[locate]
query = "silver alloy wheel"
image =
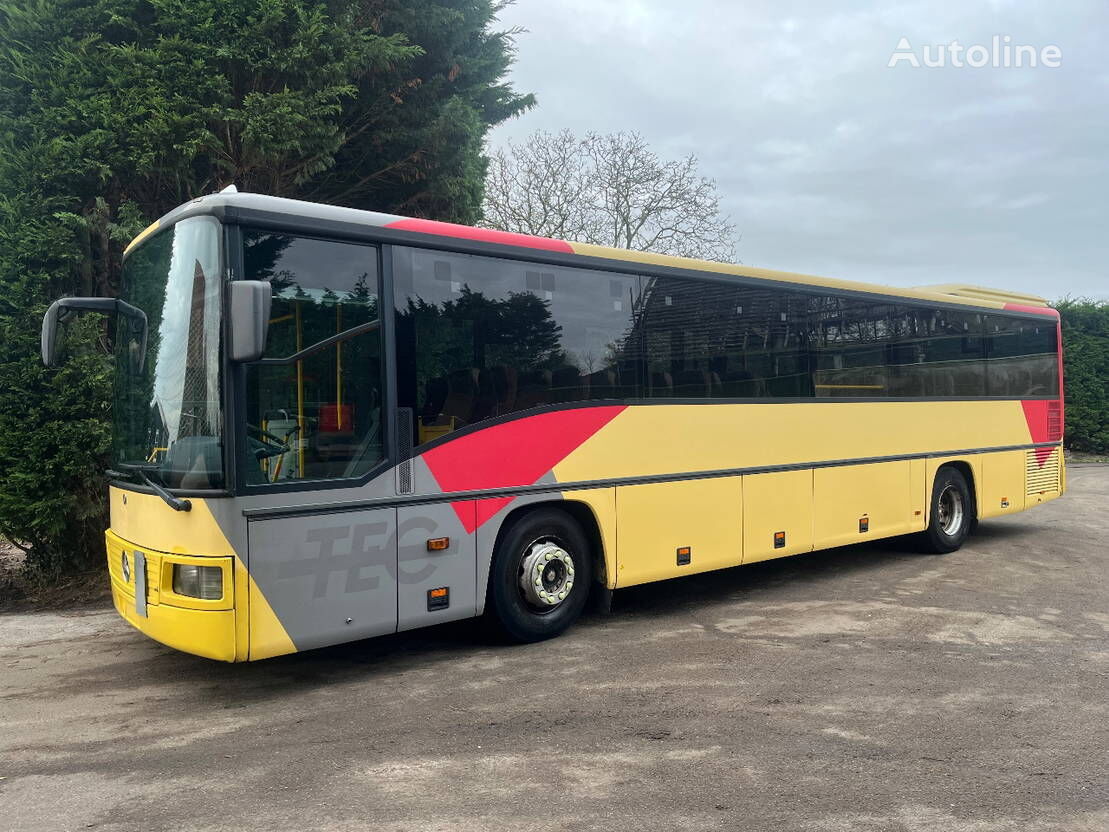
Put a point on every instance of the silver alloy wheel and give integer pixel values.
(546, 574)
(949, 510)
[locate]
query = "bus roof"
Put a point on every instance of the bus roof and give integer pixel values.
(320, 218)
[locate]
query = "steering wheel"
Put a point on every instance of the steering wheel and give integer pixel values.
(267, 444)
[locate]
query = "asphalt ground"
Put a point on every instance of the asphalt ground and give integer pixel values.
(863, 688)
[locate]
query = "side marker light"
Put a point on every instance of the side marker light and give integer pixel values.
(438, 598)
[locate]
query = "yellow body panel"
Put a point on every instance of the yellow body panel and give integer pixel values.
(817, 507)
(602, 502)
(776, 503)
(920, 492)
(145, 520)
(655, 519)
(165, 536)
(1001, 490)
(880, 493)
(267, 637)
(646, 441)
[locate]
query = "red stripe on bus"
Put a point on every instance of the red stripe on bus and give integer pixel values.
(1035, 310)
(485, 235)
(512, 454)
(1041, 426)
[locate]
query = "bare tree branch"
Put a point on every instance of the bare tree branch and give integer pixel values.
(610, 190)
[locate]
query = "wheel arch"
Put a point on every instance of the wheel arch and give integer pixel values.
(580, 511)
(964, 467)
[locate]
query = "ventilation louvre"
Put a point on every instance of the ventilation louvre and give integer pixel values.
(1054, 421)
(1041, 478)
(404, 450)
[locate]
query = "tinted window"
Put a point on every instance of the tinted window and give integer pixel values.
(848, 340)
(709, 339)
(1021, 357)
(318, 417)
(481, 337)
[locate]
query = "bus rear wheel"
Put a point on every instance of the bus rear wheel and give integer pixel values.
(540, 577)
(951, 515)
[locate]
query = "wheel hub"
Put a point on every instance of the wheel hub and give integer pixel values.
(546, 574)
(950, 510)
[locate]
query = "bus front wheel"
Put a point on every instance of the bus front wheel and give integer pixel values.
(540, 577)
(951, 514)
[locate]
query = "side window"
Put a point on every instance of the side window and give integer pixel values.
(847, 351)
(314, 401)
(482, 337)
(1021, 357)
(954, 353)
(710, 339)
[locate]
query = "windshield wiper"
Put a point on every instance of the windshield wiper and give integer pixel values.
(176, 503)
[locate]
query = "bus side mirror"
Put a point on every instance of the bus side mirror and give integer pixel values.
(249, 318)
(49, 336)
(62, 310)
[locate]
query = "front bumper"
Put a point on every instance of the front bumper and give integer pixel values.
(204, 628)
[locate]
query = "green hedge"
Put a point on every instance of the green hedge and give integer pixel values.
(112, 112)
(1086, 374)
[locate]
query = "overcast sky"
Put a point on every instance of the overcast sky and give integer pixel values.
(829, 161)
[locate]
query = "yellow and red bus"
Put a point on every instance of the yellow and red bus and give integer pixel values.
(331, 424)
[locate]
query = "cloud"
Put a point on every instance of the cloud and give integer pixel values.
(829, 161)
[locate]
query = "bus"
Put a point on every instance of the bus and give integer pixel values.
(331, 424)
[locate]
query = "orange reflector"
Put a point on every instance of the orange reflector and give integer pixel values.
(438, 544)
(438, 598)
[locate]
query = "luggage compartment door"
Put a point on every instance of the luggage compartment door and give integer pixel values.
(328, 579)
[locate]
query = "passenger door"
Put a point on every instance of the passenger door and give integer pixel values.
(312, 417)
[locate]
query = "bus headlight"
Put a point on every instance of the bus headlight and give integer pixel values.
(204, 582)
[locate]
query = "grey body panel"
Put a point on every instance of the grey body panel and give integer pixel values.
(420, 570)
(284, 554)
(329, 578)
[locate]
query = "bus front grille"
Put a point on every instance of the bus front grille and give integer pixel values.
(1041, 476)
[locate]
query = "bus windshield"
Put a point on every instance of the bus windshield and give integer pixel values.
(166, 414)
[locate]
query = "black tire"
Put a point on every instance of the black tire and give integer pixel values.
(509, 608)
(951, 513)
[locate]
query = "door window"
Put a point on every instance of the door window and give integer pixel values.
(314, 401)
